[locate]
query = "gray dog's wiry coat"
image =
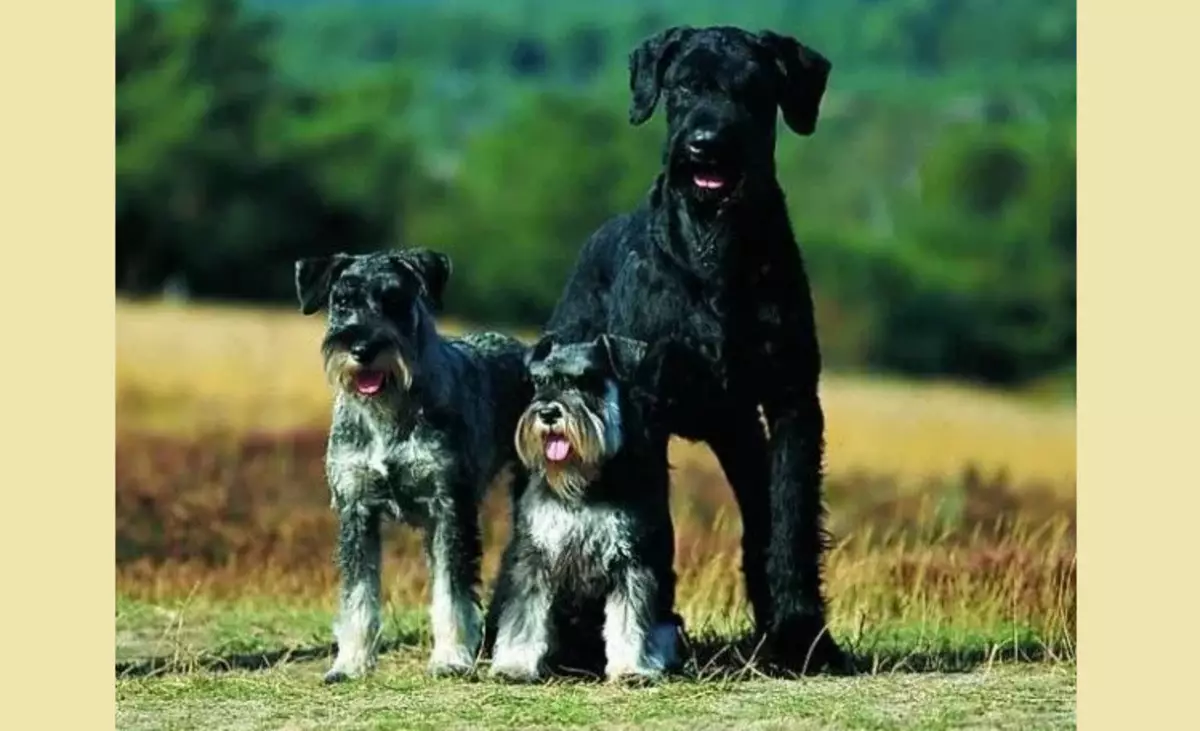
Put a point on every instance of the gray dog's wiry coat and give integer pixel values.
(593, 522)
(422, 426)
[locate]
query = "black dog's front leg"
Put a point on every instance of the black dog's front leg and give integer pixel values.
(796, 634)
(740, 447)
(453, 552)
(357, 626)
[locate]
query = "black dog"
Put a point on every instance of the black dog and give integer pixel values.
(421, 427)
(709, 260)
(593, 523)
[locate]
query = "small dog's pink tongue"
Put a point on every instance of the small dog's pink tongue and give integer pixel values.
(557, 448)
(708, 181)
(369, 382)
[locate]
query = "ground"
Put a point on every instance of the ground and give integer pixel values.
(952, 578)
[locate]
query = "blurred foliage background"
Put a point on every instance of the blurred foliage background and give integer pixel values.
(935, 205)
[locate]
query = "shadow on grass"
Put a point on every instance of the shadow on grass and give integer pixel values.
(705, 659)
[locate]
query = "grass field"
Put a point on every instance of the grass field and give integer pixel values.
(952, 579)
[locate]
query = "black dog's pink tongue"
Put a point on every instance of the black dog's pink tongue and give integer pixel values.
(368, 382)
(709, 181)
(557, 448)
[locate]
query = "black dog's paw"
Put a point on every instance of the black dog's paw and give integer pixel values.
(805, 648)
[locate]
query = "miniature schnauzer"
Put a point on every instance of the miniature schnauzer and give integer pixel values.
(592, 527)
(422, 426)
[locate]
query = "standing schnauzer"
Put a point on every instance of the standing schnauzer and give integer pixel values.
(421, 427)
(709, 259)
(593, 525)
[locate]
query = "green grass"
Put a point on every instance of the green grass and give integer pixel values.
(254, 664)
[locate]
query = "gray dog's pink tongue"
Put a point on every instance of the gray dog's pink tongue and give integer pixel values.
(369, 382)
(557, 448)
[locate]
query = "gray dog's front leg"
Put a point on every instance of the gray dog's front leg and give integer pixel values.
(357, 626)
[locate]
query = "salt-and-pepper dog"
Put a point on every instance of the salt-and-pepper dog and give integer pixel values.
(422, 426)
(593, 524)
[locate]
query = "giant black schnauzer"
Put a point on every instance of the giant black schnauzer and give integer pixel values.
(709, 259)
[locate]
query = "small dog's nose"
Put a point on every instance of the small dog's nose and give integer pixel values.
(550, 414)
(702, 141)
(364, 352)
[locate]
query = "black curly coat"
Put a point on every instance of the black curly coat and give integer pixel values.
(709, 260)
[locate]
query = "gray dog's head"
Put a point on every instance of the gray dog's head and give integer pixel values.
(722, 88)
(380, 320)
(574, 422)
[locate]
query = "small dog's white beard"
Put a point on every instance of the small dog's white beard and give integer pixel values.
(457, 629)
(357, 631)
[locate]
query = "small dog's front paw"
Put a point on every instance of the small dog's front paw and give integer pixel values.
(633, 675)
(516, 670)
(348, 669)
(451, 661)
(339, 675)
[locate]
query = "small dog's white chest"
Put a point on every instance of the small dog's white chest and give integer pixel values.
(600, 536)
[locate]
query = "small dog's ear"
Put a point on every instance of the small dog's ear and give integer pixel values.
(539, 349)
(624, 354)
(646, 65)
(805, 74)
(433, 268)
(314, 277)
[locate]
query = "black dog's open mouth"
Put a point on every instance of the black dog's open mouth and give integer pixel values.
(370, 382)
(710, 180)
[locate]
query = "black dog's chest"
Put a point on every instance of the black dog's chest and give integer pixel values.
(717, 329)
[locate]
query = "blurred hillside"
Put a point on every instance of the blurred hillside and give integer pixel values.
(935, 204)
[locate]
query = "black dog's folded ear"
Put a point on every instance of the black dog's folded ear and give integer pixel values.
(539, 349)
(805, 74)
(646, 65)
(624, 354)
(433, 268)
(314, 277)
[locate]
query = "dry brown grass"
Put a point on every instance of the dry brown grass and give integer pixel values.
(194, 369)
(952, 508)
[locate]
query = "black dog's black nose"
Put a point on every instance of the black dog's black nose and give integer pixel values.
(702, 141)
(550, 414)
(364, 352)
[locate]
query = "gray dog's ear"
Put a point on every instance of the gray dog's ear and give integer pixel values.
(647, 62)
(805, 74)
(314, 277)
(624, 354)
(433, 268)
(539, 349)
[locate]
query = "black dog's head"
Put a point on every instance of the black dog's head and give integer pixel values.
(380, 309)
(722, 88)
(574, 422)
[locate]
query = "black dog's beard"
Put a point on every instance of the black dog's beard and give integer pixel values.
(569, 454)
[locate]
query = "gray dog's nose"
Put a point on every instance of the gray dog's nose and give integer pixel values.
(549, 414)
(364, 352)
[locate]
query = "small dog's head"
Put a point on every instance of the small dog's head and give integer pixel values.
(722, 88)
(380, 309)
(574, 422)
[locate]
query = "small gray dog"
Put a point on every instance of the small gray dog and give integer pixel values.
(593, 525)
(422, 426)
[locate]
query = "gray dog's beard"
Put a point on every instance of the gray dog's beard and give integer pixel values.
(567, 456)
